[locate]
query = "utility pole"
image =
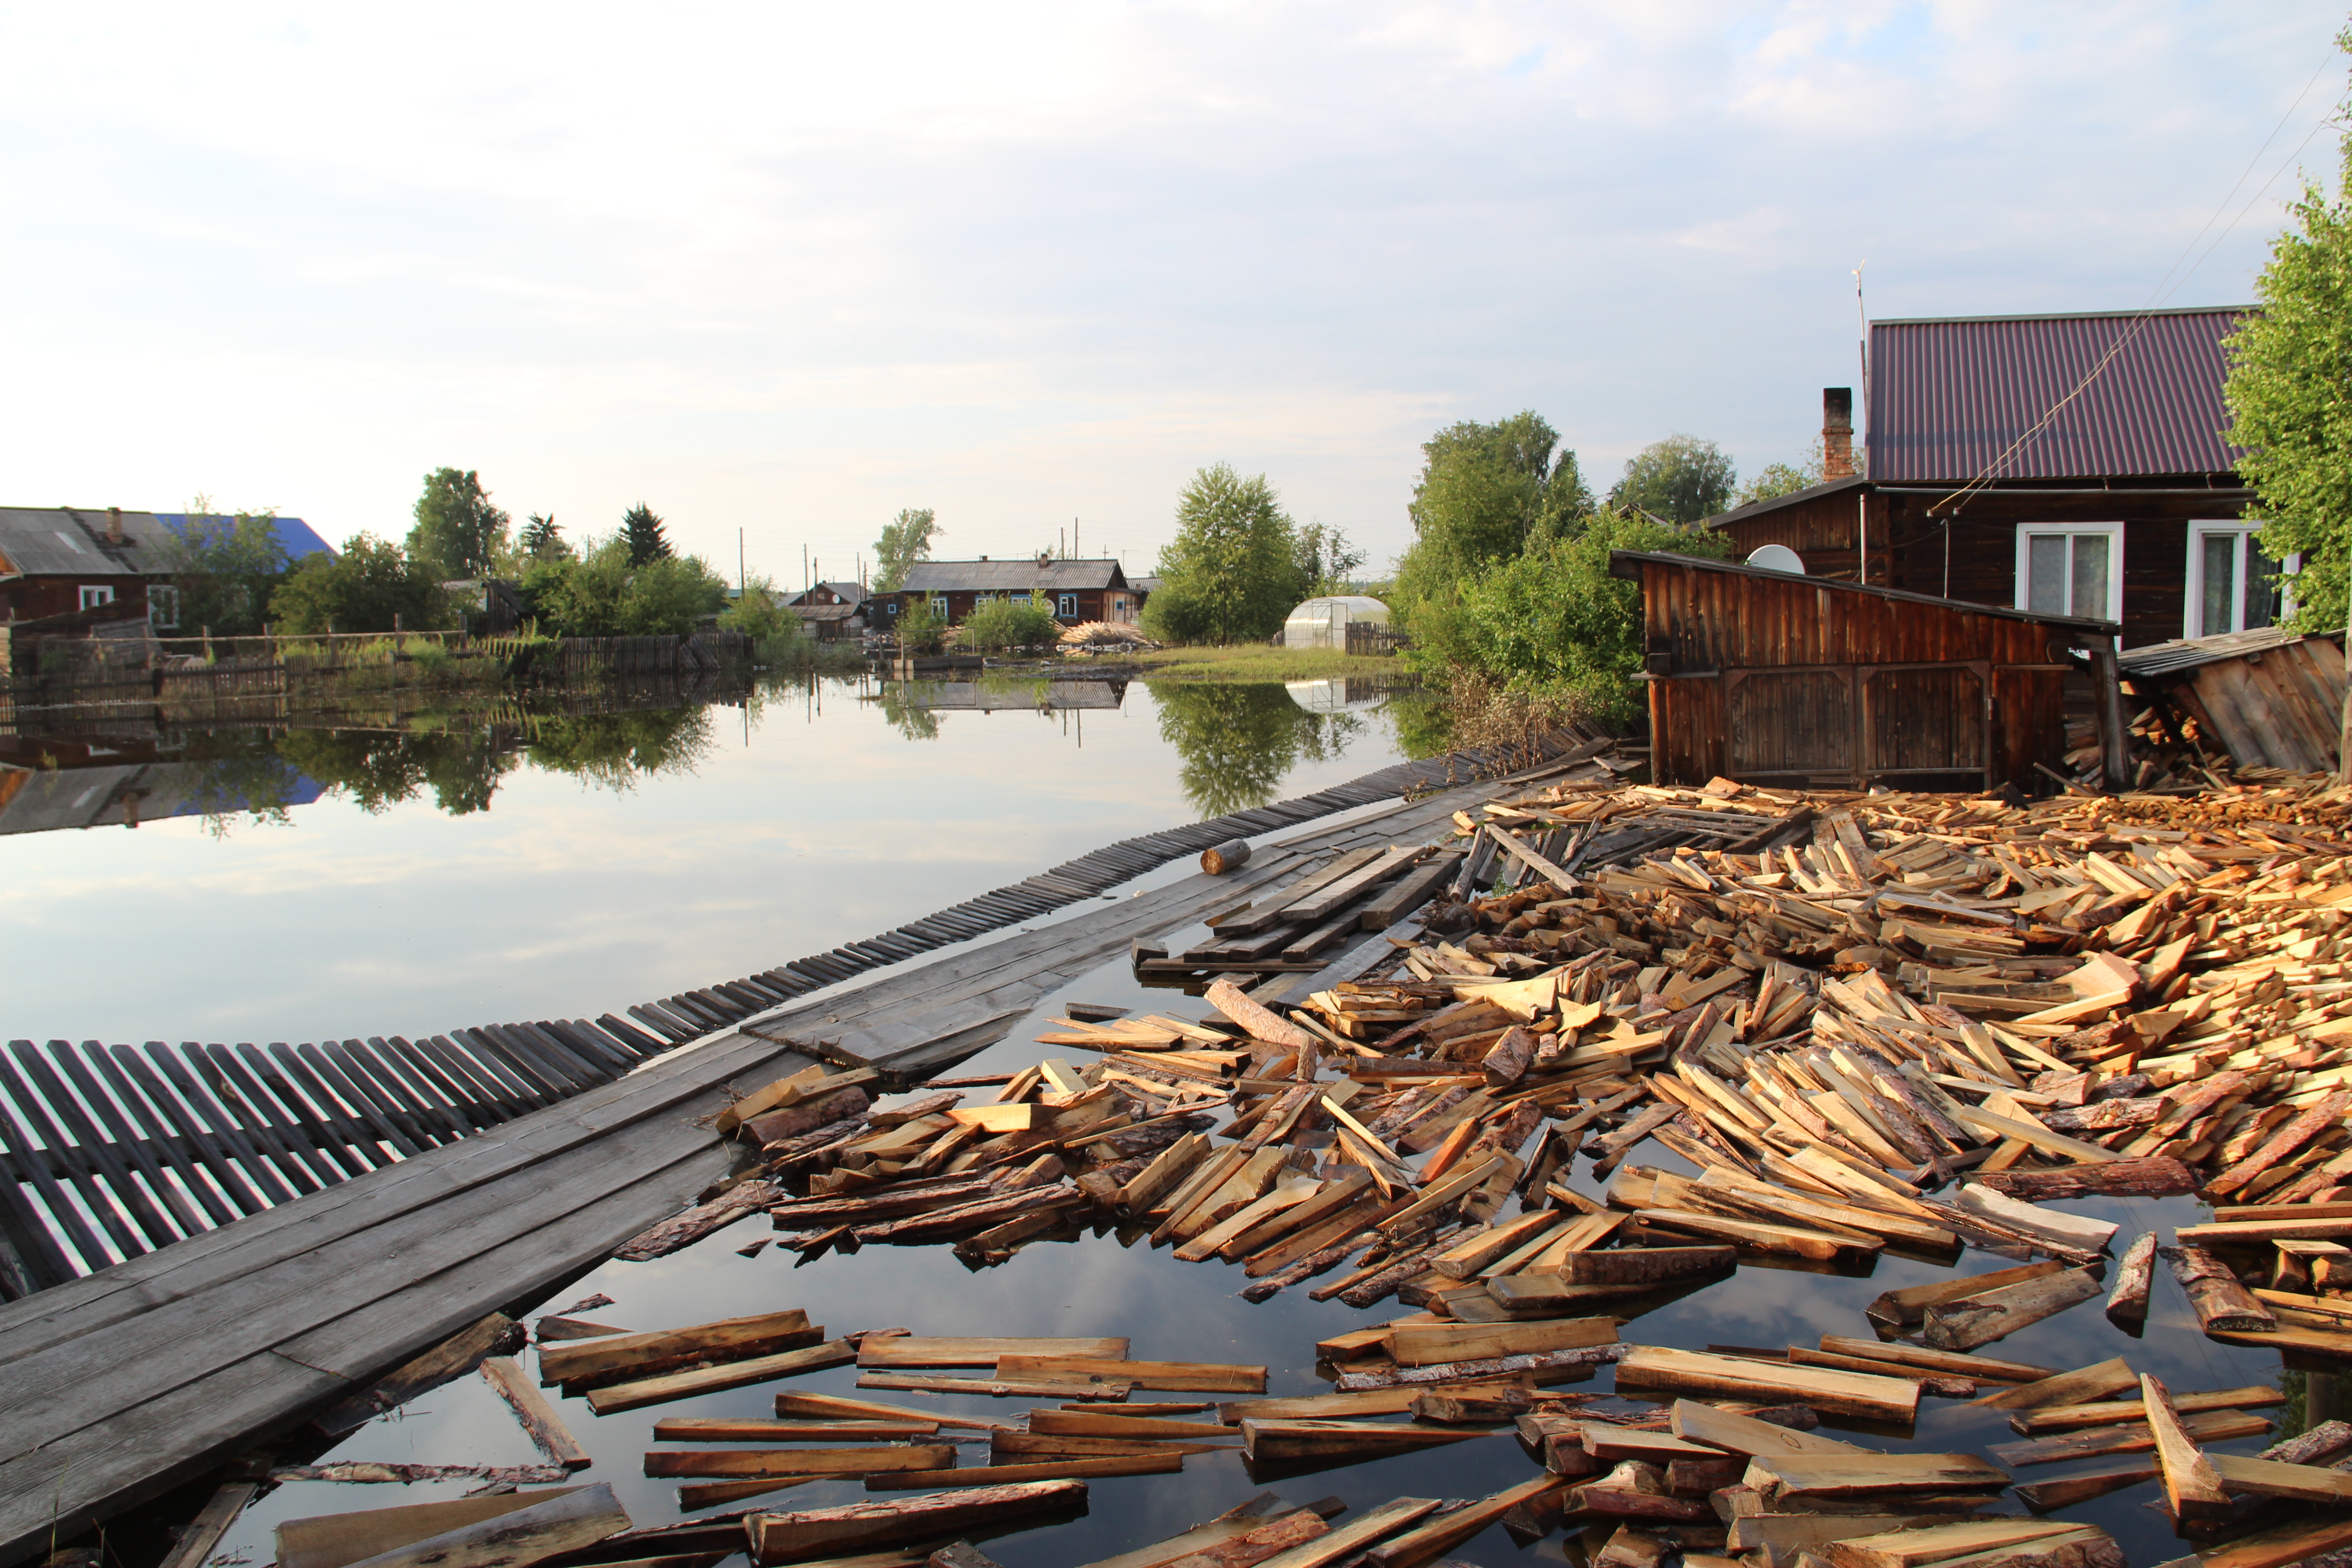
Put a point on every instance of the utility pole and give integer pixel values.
(742, 582)
(804, 576)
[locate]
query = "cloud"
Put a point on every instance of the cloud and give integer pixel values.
(788, 268)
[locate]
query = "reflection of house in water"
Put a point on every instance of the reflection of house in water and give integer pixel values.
(46, 785)
(1343, 694)
(995, 696)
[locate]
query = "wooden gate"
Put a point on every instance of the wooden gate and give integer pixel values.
(1832, 724)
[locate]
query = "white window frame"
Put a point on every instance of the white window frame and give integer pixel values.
(939, 603)
(1066, 604)
(2194, 596)
(94, 594)
(163, 605)
(2115, 533)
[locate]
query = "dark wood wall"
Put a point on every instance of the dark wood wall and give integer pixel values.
(1973, 558)
(29, 598)
(1783, 681)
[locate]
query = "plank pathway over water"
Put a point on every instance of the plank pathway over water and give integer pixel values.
(108, 1151)
(118, 1385)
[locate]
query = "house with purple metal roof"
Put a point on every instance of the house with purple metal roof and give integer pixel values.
(2067, 465)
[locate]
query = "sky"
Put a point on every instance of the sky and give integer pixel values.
(785, 269)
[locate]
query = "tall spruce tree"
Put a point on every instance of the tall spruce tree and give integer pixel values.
(642, 530)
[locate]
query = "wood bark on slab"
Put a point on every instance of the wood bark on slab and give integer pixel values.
(2267, 1478)
(2067, 1229)
(2280, 1546)
(539, 1420)
(1025, 1443)
(2285, 1337)
(2220, 1303)
(2190, 1483)
(337, 1540)
(1341, 1406)
(2128, 1301)
(2125, 1438)
(2107, 1412)
(1836, 1393)
(859, 1526)
(1795, 1241)
(1435, 1537)
(1277, 1440)
(1952, 1363)
(1869, 1475)
(1972, 1321)
(1431, 1345)
(2102, 1381)
(2064, 1491)
(1257, 1022)
(2289, 1221)
(746, 1462)
(1902, 1309)
(1231, 1525)
(1744, 1434)
(2154, 1177)
(998, 1387)
(922, 1350)
(819, 1213)
(760, 1430)
(1207, 1378)
(1068, 1467)
(1783, 1537)
(554, 1331)
(1344, 1542)
(1104, 1424)
(549, 1525)
(1937, 1542)
(834, 1406)
(642, 1355)
(1456, 1408)
(712, 1379)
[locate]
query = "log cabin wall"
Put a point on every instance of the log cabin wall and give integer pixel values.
(1778, 679)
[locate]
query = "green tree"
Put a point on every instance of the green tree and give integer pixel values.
(601, 594)
(2290, 397)
(541, 540)
(1486, 494)
(459, 532)
(1774, 480)
(906, 539)
(1232, 572)
(224, 568)
(760, 613)
(1554, 620)
(1681, 478)
(642, 531)
(1325, 559)
(1001, 622)
(362, 590)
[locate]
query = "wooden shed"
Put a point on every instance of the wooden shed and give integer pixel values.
(2275, 697)
(1776, 679)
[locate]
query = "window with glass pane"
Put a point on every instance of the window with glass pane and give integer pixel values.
(2090, 597)
(2262, 588)
(2218, 601)
(2046, 574)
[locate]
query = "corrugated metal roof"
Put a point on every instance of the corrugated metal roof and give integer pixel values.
(1792, 498)
(1021, 571)
(46, 541)
(1947, 397)
(299, 537)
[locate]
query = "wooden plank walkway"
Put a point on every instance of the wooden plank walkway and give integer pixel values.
(118, 1385)
(108, 1151)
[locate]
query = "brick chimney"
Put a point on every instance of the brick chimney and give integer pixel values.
(114, 525)
(1837, 433)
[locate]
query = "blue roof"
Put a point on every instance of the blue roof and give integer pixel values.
(299, 537)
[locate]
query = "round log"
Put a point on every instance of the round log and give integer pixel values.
(1231, 855)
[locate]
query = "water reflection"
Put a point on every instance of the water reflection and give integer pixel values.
(1236, 744)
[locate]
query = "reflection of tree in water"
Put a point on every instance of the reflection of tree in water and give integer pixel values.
(230, 775)
(904, 706)
(379, 770)
(615, 750)
(1238, 742)
(1424, 727)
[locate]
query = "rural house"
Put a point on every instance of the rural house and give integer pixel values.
(103, 565)
(1072, 592)
(831, 610)
(1986, 483)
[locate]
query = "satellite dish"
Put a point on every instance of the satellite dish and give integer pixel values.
(1777, 558)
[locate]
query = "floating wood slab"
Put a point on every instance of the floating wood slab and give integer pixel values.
(862, 1526)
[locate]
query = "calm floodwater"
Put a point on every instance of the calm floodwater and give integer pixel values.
(593, 863)
(573, 866)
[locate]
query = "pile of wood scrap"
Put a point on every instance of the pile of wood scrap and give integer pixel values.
(1292, 929)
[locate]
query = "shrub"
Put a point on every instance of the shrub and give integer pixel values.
(362, 590)
(1002, 623)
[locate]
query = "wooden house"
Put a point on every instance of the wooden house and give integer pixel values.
(1072, 592)
(1990, 477)
(832, 611)
(57, 568)
(1794, 681)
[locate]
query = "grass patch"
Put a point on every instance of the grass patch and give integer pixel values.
(1251, 661)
